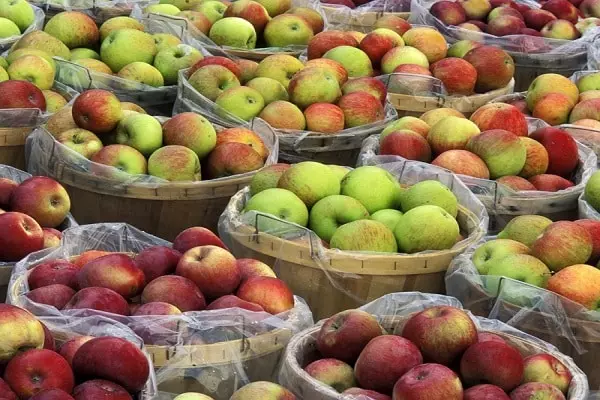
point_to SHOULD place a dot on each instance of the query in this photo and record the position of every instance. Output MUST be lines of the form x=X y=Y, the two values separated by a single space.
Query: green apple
x=281 y=67
x=314 y=85
x=173 y=59
x=18 y=11
x=589 y=82
x=275 y=7
x=143 y=73
x=116 y=23
x=175 y=164
x=354 y=60
x=3 y=63
x=54 y=101
x=329 y=213
x=280 y=203
x=270 y=89
x=164 y=9
x=125 y=46
x=4 y=76
x=233 y=32
x=430 y=192
x=525 y=228
x=402 y=55
x=491 y=252
x=28 y=51
x=8 y=28
x=522 y=267
x=34 y=69
x=388 y=217
x=124 y=158
x=310 y=181
x=192 y=131
x=74 y=29
x=91 y=64
x=40 y=40
x=424 y=228
x=339 y=171
x=213 y=10
x=81 y=141
x=267 y=178
x=592 y=191
x=364 y=235
x=143 y=132
x=212 y=80
x=243 y=102
x=287 y=30
x=165 y=40
x=182 y=4
x=374 y=187
x=81 y=52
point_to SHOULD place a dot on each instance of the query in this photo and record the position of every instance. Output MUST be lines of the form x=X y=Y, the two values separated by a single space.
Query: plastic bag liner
x=98 y=10
x=213 y=352
x=36 y=25
x=363 y=17
x=586 y=211
x=392 y=312
x=65 y=328
x=503 y=203
x=350 y=279
x=569 y=326
x=295 y=146
x=195 y=36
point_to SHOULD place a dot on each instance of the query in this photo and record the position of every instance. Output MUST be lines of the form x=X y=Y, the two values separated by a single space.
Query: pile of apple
x=556 y=19
x=196 y=273
x=438 y=354
x=493 y=144
x=557 y=256
x=397 y=47
x=557 y=100
x=288 y=94
x=247 y=24
x=121 y=135
x=256 y=390
x=15 y=17
x=364 y=209
x=82 y=368
x=30 y=212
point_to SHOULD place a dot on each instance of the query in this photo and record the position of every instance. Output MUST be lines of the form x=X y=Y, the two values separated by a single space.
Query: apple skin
x=370 y=394
x=536 y=160
x=83 y=142
x=457 y=75
x=242 y=101
x=521 y=267
x=538 y=18
x=516 y=183
x=100 y=389
x=7 y=391
x=406 y=144
x=489 y=337
x=156 y=308
x=281 y=202
x=281 y=67
x=313 y=85
x=169 y=61
x=364 y=235
x=262 y=391
x=547 y=369
x=119 y=23
x=537 y=390
x=36 y=370
x=462 y=162
x=282 y=114
x=485 y=392
x=70 y=347
x=366 y=84
x=331 y=212
x=248 y=70
x=393 y=22
x=428 y=40
x=42 y=198
x=556 y=252
x=88 y=256
x=500 y=116
x=461 y=48
x=429 y=382
x=585 y=109
x=448 y=12
x=384 y=360
x=53 y=272
x=550 y=183
x=97 y=110
x=322 y=42
x=231 y=301
x=403 y=55
x=411 y=123
x=360 y=108
x=287 y=30
x=101 y=299
x=495 y=250
x=495 y=68
x=442 y=139
x=21 y=94
x=562 y=9
x=174 y=163
x=245 y=136
x=176 y=290
x=157 y=261
x=117 y=272
x=74 y=29
x=143 y=132
x=52 y=394
x=7 y=186
x=190 y=130
x=114 y=359
x=330 y=65
x=492 y=362
x=560 y=29
x=56 y=295
x=124 y=46
x=194 y=237
x=232 y=159
x=20 y=235
x=296 y=177
x=505 y=25
x=501 y=150
x=324 y=118
x=193 y=396
x=378 y=42
x=579 y=283
x=250 y=267
x=267 y=177
x=331 y=372
x=217 y=60
x=245 y=36
x=19 y=330
x=34 y=69
x=272 y=294
x=212 y=80
x=381 y=181
x=593 y=228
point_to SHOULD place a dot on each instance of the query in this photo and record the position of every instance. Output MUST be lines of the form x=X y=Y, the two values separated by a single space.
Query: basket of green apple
x=515 y=165
x=124 y=165
x=536 y=36
x=136 y=60
x=33 y=212
x=210 y=322
x=18 y=18
x=421 y=346
x=245 y=30
x=538 y=275
x=369 y=231
x=316 y=111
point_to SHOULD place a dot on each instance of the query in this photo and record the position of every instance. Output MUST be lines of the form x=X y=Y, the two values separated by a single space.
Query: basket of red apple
x=318 y=114
x=538 y=275
x=418 y=346
x=160 y=175
x=536 y=36
x=246 y=30
x=33 y=212
x=72 y=359
x=210 y=322
x=417 y=67
x=365 y=15
x=354 y=234
x=514 y=165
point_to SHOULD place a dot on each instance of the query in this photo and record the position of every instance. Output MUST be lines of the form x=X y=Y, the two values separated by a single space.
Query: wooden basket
x=530 y=66
x=12 y=146
x=361 y=21
x=365 y=276
x=302 y=350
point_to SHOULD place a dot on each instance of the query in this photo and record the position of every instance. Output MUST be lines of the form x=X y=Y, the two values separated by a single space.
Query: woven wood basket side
x=12 y=146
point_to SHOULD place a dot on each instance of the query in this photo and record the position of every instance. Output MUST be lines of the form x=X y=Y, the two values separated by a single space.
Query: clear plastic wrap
x=392 y=311
x=295 y=146
x=586 y=211
x=363 y=17
x=64 y=329
x=569 y=326
x=350 y=279
x=502 y=202
x=99 y=10
x=214 y=352
x=38 y=24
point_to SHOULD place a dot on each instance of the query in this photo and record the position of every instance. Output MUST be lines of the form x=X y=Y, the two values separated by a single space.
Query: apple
x=516 y=183
x=231 y=301
x=545 y=368
x=249 y=267
x=538 y=18
x=117 y=272
x=300 y=180
x=287 y=30
x=313 y=85
x=452 y=133
x=361 y=108
x=140 y=72
x=593 y=228
x=124 y=46
x=270 y=89
x=19 y=11
x=54 y=101
x=521 y=267
x=504 y=25
x=197 y=19
x=19 y=235
x=217 y=60
x=485 y=391
x=592 y=191
x=70 y=347
x=156 y=308
x=60 y=121
x=537 y=159
x=100 y=299
x=233 y=32
x=243 y=102
x=281 y=203
x=360 y=393
x=192 y=131
x=51 y=272
x=448 y=12
x=251 y=11
x=43 y=199
x=332 y=66
x=457 y=75
x=100 y=389
x=389 y=217
x=494 y=251
x=364 y=235
x=501 y=150
x=476 y=9
x=212 y=80
x=487 y=336
x=407 y=144
x=56 y=295
x=362 y=182
x=429 y=381
x=378 y=42
x=170 y=61
x=272 y=294
x=402 y=55
x=550 y=183
x=525 y=228
x=192 y=396
x=97 y=110
x=495 y=68
x=74 y=29
x=462 y=47
x=267 y=178
x=537 y=389
x=428 y=40
x=30 y=331
x=332 y=372
x=122 y=157
x=322 y=42
x=157 y=261
x=114 y=359
x=434 y=116
x=283 y=115
x=52 y=394
x=40 y=40
x=492 y=362
x=117 y=23
x=550 y=83
x=586 y=109
x=175 y=290
x=560 y=29
x=562 y=9
x=174 y=163
x=21 y=94
x=262 y=390
x=34 y=69
x=313 y=17
x=88 y=256
x=281 y=67
x=354 y=60
x=410 y=123
x=462 y=162
x=393 y=22
x=562 y=150
x=324 y=118
x=556 y=252
x=232 y=159
x=52 y=237
x=194 y=237
x=162 y=9
x=331 y=212
x=81 y=141
x=500 y=116
x=143 y=132
x=7 y=186
x=579 y=283
x=163 y=40
x=503 y=11
x=366 y=84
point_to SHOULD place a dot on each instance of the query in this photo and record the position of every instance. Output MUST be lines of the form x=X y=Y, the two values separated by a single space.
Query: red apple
x=156 y=308
x=457 y=75
x=448 y=12
x=100 y=299
x=505 y=25
x=117 y=272
x=406 y=144
x=379 y=42
x=492 y=362
x=536 y=390
x=537 y=18
x=97 y=110
x=42 y=198
x=176 y=290
x=49 y=343
x=495 y=68
x=194 y=237
x=429 y=382
x=463 y=162
x=114 y=359
x=324 y=118
x=550 y=183
x=52 y=272
x=217 y=60
x=562 y=244
x=157 y=261
x=516 y=183
x=232 y=158
x=485 y=392
x=19 y=236
x=88 y=256
x=56 y=295
x=52 y=237
x=489 y=337
x=231 y=301
x=21 y=94
x=100 y=389
x=272 y=294
x=360 y=108
x=52 y=394
x=322 y=42
x=393 y=22
x=6 y=188
x=593 y=228
x=500 y=116
x=562 y=150
x=250 y=267
x=6 y=392
x=70 y=347
x=562 y=9
x=366 y=84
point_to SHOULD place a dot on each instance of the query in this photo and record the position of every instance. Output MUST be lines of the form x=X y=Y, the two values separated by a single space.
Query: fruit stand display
x=379 y=350
x=161 y=175
x=553 y=292
x=207 y=328
x=41 y=206
x=355 y=244
x=536 y=36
